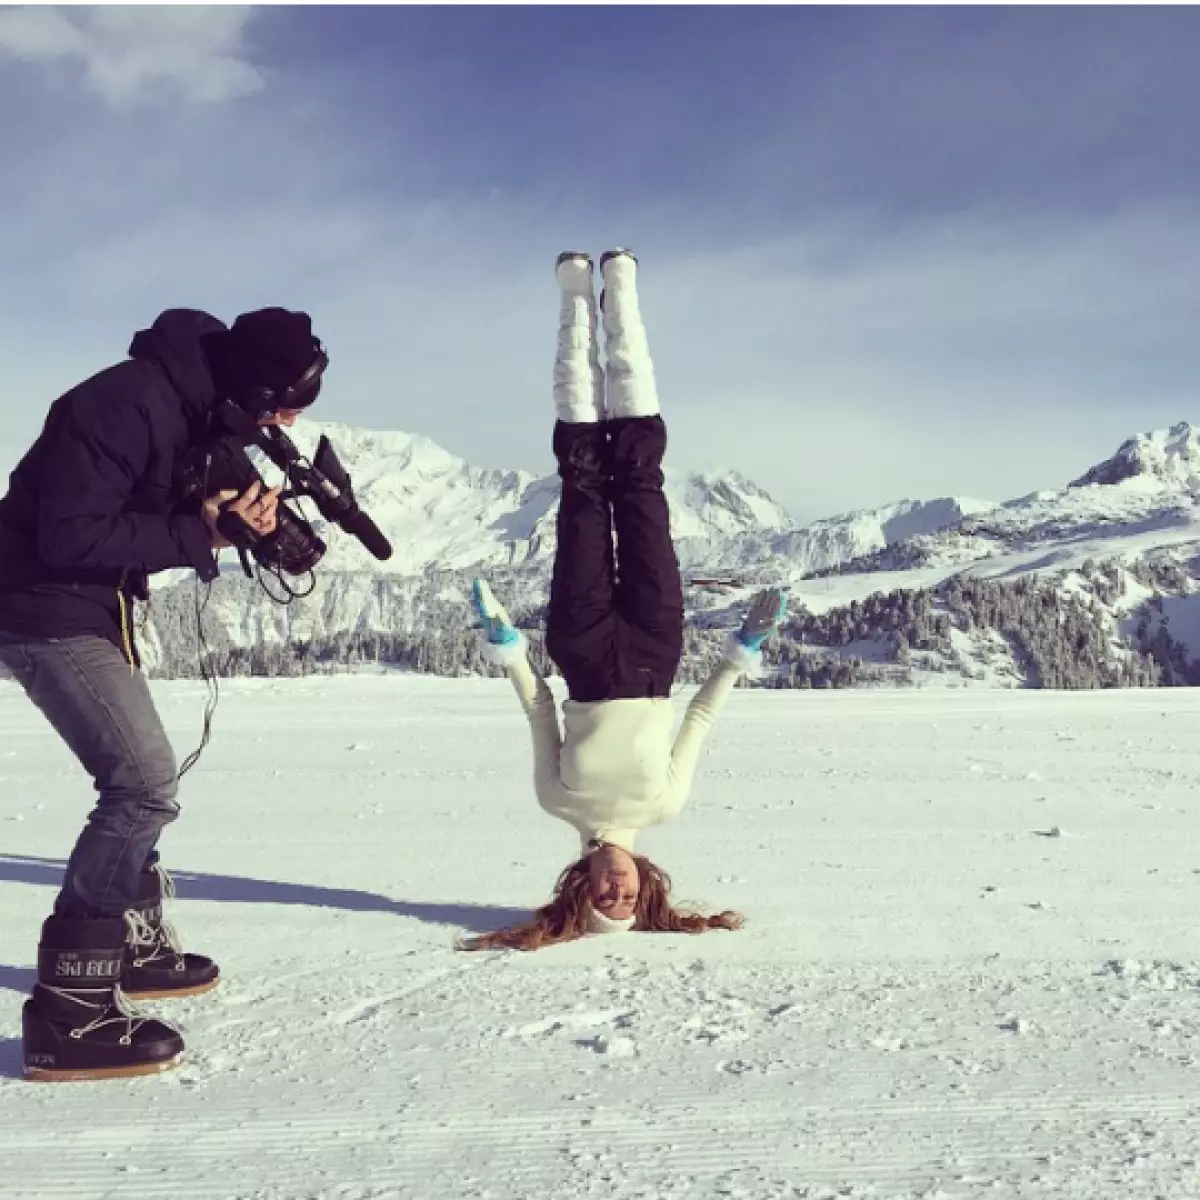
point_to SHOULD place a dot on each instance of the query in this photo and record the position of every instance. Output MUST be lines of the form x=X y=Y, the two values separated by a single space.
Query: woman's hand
x=766 y=612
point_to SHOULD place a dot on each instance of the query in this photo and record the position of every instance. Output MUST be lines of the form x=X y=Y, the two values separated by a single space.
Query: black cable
x=208 y=673
x=276 y=573
x=204 y=654
x=204 y=661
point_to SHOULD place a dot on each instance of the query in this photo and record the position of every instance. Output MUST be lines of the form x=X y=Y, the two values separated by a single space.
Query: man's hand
x=256 y=506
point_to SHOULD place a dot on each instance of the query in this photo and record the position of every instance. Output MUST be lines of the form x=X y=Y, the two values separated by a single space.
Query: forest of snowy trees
x=1055 y=637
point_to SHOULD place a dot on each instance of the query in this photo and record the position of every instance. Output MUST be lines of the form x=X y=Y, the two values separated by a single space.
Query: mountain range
x=448 y=520
x=440 y=511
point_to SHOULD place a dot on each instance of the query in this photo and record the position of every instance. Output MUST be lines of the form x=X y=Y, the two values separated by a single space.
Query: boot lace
x=153 y=942
x=164 y=881
x=115 y=1009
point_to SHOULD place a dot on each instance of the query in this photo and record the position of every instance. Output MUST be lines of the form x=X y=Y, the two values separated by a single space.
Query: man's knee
x=159 y=780
x=161 y=797
x=146 y=799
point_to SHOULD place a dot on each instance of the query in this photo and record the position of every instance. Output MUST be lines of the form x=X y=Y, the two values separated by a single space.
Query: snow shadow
x=17 y=979
x=235 y=889
x=11 y=1066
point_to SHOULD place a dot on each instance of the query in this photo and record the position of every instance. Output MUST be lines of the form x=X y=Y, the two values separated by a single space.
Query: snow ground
x=972 y=963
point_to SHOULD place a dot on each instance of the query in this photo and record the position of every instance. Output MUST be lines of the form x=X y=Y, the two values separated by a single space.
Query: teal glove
x=497 y=625
x=766 y=612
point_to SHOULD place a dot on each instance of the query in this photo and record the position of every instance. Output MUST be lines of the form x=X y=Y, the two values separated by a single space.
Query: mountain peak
x=1170 y=456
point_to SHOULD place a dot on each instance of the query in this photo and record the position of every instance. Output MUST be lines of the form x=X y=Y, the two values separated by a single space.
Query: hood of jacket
x=174 y=343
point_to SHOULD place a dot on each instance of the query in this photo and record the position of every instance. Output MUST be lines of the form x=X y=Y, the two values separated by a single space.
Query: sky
x=885 y=252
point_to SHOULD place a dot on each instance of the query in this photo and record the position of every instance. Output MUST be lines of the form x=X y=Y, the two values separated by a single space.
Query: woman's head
x=614 y=881
x=616 y=885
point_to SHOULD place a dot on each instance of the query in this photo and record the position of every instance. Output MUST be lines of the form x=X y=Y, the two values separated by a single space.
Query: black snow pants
x=615 y=625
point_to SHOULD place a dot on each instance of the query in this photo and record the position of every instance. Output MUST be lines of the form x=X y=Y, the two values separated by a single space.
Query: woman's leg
x=580 y=622
x=649 y=591
x=578 y=381
x=630 y=390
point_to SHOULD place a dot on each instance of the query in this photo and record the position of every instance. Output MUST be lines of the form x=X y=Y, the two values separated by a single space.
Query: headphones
x=262 y=401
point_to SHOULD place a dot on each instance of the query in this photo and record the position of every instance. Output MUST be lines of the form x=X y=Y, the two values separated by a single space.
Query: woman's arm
x=702 y=712
x=537 y=701
x=743 y=652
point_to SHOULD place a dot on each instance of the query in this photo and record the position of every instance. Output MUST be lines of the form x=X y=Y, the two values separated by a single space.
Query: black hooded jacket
x=89 y=511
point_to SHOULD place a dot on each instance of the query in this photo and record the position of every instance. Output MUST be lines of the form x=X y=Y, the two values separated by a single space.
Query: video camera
x=294 y=547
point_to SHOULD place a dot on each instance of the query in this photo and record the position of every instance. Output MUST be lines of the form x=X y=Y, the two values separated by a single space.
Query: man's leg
x=76 y=1024
x=649 y=593
x=103 y=710
x=579 y=625
x=106 y=716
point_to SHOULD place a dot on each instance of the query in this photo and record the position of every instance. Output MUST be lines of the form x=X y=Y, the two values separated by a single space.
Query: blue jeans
x=101 y=707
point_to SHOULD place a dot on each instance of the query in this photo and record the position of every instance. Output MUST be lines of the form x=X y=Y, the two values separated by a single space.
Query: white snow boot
x=578 y=380
x=629 y=373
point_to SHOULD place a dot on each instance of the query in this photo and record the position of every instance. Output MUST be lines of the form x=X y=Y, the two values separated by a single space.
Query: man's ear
x=232 y=418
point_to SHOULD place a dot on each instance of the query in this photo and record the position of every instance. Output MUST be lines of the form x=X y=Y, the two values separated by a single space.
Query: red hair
x=565 y=918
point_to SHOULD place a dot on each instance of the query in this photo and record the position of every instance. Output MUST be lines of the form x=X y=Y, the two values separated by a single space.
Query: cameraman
x=90 y=513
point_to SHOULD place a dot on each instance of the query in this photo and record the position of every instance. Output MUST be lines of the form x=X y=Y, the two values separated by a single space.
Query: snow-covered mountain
x=1142 y=502
x=447 y=519
x=1167 y=457
x=829 y=543
x=440 y=511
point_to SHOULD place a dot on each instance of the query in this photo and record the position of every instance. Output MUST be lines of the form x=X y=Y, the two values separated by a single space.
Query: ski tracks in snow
x=930 y=1001
x=694 y=1079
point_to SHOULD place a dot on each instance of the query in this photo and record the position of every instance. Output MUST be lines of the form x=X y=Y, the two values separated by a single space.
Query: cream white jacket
x=612 y=769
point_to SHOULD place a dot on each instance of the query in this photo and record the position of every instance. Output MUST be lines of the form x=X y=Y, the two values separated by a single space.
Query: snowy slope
x=971 y=967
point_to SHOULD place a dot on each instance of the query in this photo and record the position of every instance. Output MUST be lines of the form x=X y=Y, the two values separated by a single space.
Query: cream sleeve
x=699 y=718
x=537 y=701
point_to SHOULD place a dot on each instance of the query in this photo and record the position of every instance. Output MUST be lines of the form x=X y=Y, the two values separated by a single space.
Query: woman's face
x=615 y=882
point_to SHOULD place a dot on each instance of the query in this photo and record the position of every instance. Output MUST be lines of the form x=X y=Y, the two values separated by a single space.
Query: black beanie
x=270 y=348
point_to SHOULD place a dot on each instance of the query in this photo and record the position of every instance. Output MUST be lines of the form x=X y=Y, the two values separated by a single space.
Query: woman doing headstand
x=614 y=630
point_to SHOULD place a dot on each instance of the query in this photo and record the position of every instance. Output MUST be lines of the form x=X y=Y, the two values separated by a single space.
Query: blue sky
x=886 y=252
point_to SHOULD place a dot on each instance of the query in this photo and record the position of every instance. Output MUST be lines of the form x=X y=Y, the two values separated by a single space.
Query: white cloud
x=132 y=53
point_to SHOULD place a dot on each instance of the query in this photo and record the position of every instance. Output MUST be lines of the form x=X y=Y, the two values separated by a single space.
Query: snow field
x=972 y=963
